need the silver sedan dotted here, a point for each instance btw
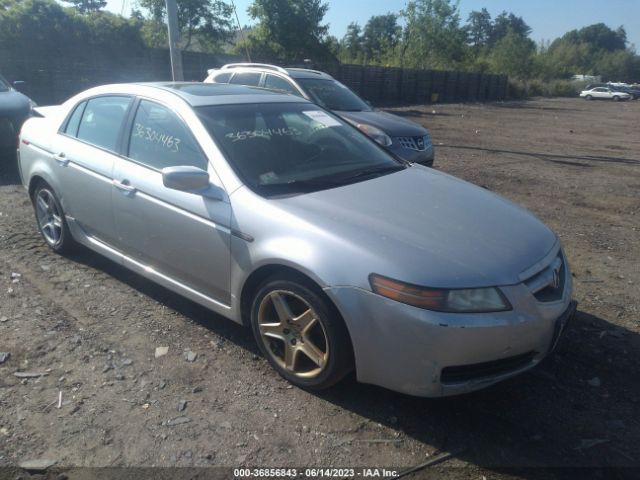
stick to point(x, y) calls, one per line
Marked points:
point(281, 216)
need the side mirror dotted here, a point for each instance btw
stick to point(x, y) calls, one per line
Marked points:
point(185, 179)
point(191, 180)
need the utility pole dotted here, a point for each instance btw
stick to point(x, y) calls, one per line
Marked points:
point(174, 51)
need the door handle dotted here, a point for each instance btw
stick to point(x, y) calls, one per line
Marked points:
point(124, 186)
point(61, 159)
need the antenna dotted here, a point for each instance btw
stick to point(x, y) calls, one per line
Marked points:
point(246, 47)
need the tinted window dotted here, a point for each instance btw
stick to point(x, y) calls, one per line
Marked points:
point(74, 120)
point(276, 83)
point(102, 119)
point(222, 77)
point(160, 139)
point(290, 148)
point(332, 95)
point(250, 79)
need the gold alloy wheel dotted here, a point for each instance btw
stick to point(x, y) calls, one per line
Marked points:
point(293, 334)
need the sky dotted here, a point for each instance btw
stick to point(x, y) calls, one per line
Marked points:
point(548, 19)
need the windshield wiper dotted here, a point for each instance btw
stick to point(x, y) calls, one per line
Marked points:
point(372, 171)
point(332, 181)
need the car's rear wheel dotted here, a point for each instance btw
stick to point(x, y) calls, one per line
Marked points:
point(50, 219)
point(302, 336)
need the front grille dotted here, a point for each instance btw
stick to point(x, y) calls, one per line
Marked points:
point(465, 373)
point(548, 284)
point(418, 144)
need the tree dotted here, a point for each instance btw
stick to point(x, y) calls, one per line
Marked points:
point(479, 28)
point(381, 34)
point(208, 21)
point(86, 6)
point(351, 44)
point(513, 55)
point(598, 37)
point(433, 37)
point(506, 23)
point(289, 30)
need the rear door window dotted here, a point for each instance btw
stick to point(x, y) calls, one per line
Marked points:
point(74, 121)
point(250, 79)
point(102, 119)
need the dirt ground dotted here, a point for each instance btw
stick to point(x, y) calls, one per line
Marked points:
point(93, 328)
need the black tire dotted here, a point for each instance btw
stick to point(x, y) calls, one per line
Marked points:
point(63, 242)
point(616, 98)
point(339, 356)
point(589, 97)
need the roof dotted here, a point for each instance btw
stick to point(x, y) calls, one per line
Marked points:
point(265, 67)
point(199, 94)
point(307, 73)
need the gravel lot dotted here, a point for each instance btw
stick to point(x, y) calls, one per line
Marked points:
point(92, 328)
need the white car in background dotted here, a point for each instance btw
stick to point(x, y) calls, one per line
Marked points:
point(606, 93)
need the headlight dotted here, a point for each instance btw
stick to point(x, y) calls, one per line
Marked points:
point(463, 300)
point(375, 133)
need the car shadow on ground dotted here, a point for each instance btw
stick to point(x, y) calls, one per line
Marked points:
point(575, 409)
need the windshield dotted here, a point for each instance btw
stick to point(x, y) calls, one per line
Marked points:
point(4, 85)
point(281, 149)
point(332, 95)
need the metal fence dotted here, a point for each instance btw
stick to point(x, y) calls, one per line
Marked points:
point(53, 80)
point(388, 85)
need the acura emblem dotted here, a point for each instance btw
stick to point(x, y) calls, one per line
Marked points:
point(420, 142)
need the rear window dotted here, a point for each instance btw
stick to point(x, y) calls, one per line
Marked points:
point(222, 77)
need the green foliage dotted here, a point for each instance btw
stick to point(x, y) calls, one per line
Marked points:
point(351, 49)
point(433, 37)
point(86, 6)
point(513, 54)
point(479, 28)
point(520, 89)
point(33, 27)
point(205, 22)
point(505, 24)
point(592, 50)
point(288, 31)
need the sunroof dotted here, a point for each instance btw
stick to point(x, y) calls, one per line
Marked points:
point(209, 89)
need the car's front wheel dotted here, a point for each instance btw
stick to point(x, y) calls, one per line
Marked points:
point(616, 98)
point(50, 218)
point(300, 333)
point(589, 97)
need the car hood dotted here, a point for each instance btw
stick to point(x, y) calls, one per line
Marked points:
point(427, 228)
point(392, 125)
point(13, 104)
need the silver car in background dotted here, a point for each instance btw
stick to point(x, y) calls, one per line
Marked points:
point(281, 216)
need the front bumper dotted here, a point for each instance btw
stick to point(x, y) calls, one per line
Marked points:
point(432, 354)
